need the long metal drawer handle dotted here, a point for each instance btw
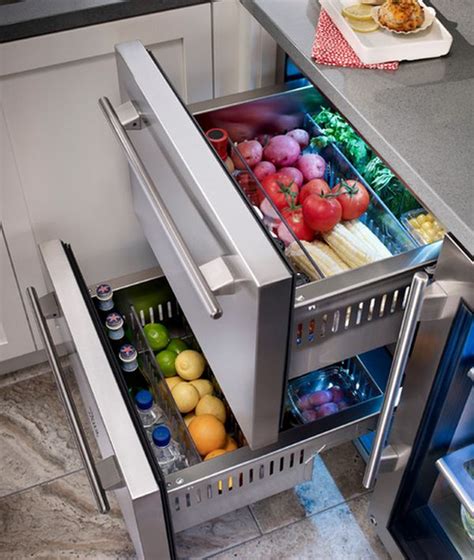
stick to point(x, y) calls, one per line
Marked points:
point(195, 275)
point(69, 406)
point(400, 359)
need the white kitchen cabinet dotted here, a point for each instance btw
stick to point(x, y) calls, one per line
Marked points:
point(15, 334)
point(73, 177)
point(245, 55)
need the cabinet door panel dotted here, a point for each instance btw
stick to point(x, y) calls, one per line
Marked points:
point(15, 334)
point(74, 178)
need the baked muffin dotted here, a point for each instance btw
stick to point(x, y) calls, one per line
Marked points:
point(401, 15)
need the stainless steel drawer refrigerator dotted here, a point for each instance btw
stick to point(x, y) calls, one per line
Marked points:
point(223, 277)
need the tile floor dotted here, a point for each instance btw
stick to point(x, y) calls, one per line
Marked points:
point(47, 511)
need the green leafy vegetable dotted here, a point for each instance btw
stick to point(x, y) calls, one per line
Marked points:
point(336, 130)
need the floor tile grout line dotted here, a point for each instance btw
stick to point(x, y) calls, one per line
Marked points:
point(289, 524)
point(43, 483)
point(255, 519)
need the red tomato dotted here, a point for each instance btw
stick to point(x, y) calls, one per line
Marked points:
point(315, 186)
point(354, 199)
point(281, 189)
point(321, 214)
point(294, 218)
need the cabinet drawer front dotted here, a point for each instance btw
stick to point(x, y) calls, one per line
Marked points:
point(138, 493)
point(205, 238)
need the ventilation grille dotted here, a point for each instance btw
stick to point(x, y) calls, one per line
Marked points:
point(249, 478)
point(337, 321)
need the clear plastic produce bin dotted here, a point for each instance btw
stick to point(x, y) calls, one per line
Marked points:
point(329, 391)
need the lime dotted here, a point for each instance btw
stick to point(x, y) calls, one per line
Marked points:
point(363, 26)
point(166, 359)
point(157, 336)
point(360, 12)
point(177, 345)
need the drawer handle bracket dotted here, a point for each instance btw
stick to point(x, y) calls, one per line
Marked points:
point(129, 117)
point(110, 474)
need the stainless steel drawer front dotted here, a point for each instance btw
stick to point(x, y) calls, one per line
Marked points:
point(352, 313)
point(139, 498)
point(244, 476)
point(247, 346)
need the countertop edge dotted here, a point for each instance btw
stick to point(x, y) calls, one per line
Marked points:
point(84, 17)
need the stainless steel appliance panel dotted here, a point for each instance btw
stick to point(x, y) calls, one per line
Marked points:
point(135, 486)
point(453, 284)
point(247, 345)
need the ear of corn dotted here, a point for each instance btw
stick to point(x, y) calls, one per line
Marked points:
point(326, 259)
point(349, 247)
point(363, 232)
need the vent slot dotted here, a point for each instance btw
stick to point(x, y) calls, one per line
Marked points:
point(271, 468)
point(347, 320)
point(301, 456)
point(292, 460)
point(394, 301)
point(405, 297)
point(299, 333)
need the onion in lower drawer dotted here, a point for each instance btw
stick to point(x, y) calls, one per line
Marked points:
point(329, 391)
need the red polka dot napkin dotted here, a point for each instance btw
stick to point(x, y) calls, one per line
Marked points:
point(331, 48)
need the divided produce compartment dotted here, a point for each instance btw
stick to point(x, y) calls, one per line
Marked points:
point(377, 218)
point(154, 302)
point(348, 313)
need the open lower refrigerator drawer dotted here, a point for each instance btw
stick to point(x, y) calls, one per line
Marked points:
point(156, 503)
point(225, 261)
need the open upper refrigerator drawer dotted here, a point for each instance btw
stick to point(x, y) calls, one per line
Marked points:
point(156, 505)
point(257, 324)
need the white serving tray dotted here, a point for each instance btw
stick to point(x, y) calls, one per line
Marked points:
point(384, 46)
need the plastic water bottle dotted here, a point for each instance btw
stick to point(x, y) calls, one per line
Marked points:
point(166, 450)
point(150, 414)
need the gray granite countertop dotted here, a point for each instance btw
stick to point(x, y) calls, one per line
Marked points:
point(420, 119)
point(20, 19)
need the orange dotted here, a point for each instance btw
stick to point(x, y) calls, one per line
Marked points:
point(231, 444)
point(215, 453)
point(208, 433)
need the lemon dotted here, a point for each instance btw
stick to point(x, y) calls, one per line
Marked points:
point(190, 365)
point(172, 381)
point(204, 387)
point(363, 26)
point(186, 397)
point(359, 12)
point(189, 418)
point(211, 405)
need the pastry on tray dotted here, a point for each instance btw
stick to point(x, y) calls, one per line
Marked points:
point(401, 15)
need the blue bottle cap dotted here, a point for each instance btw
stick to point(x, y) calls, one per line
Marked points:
point(128, 353)
point(144, 399)
point(104, 292)
point(114, 321)
point(161, 435)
